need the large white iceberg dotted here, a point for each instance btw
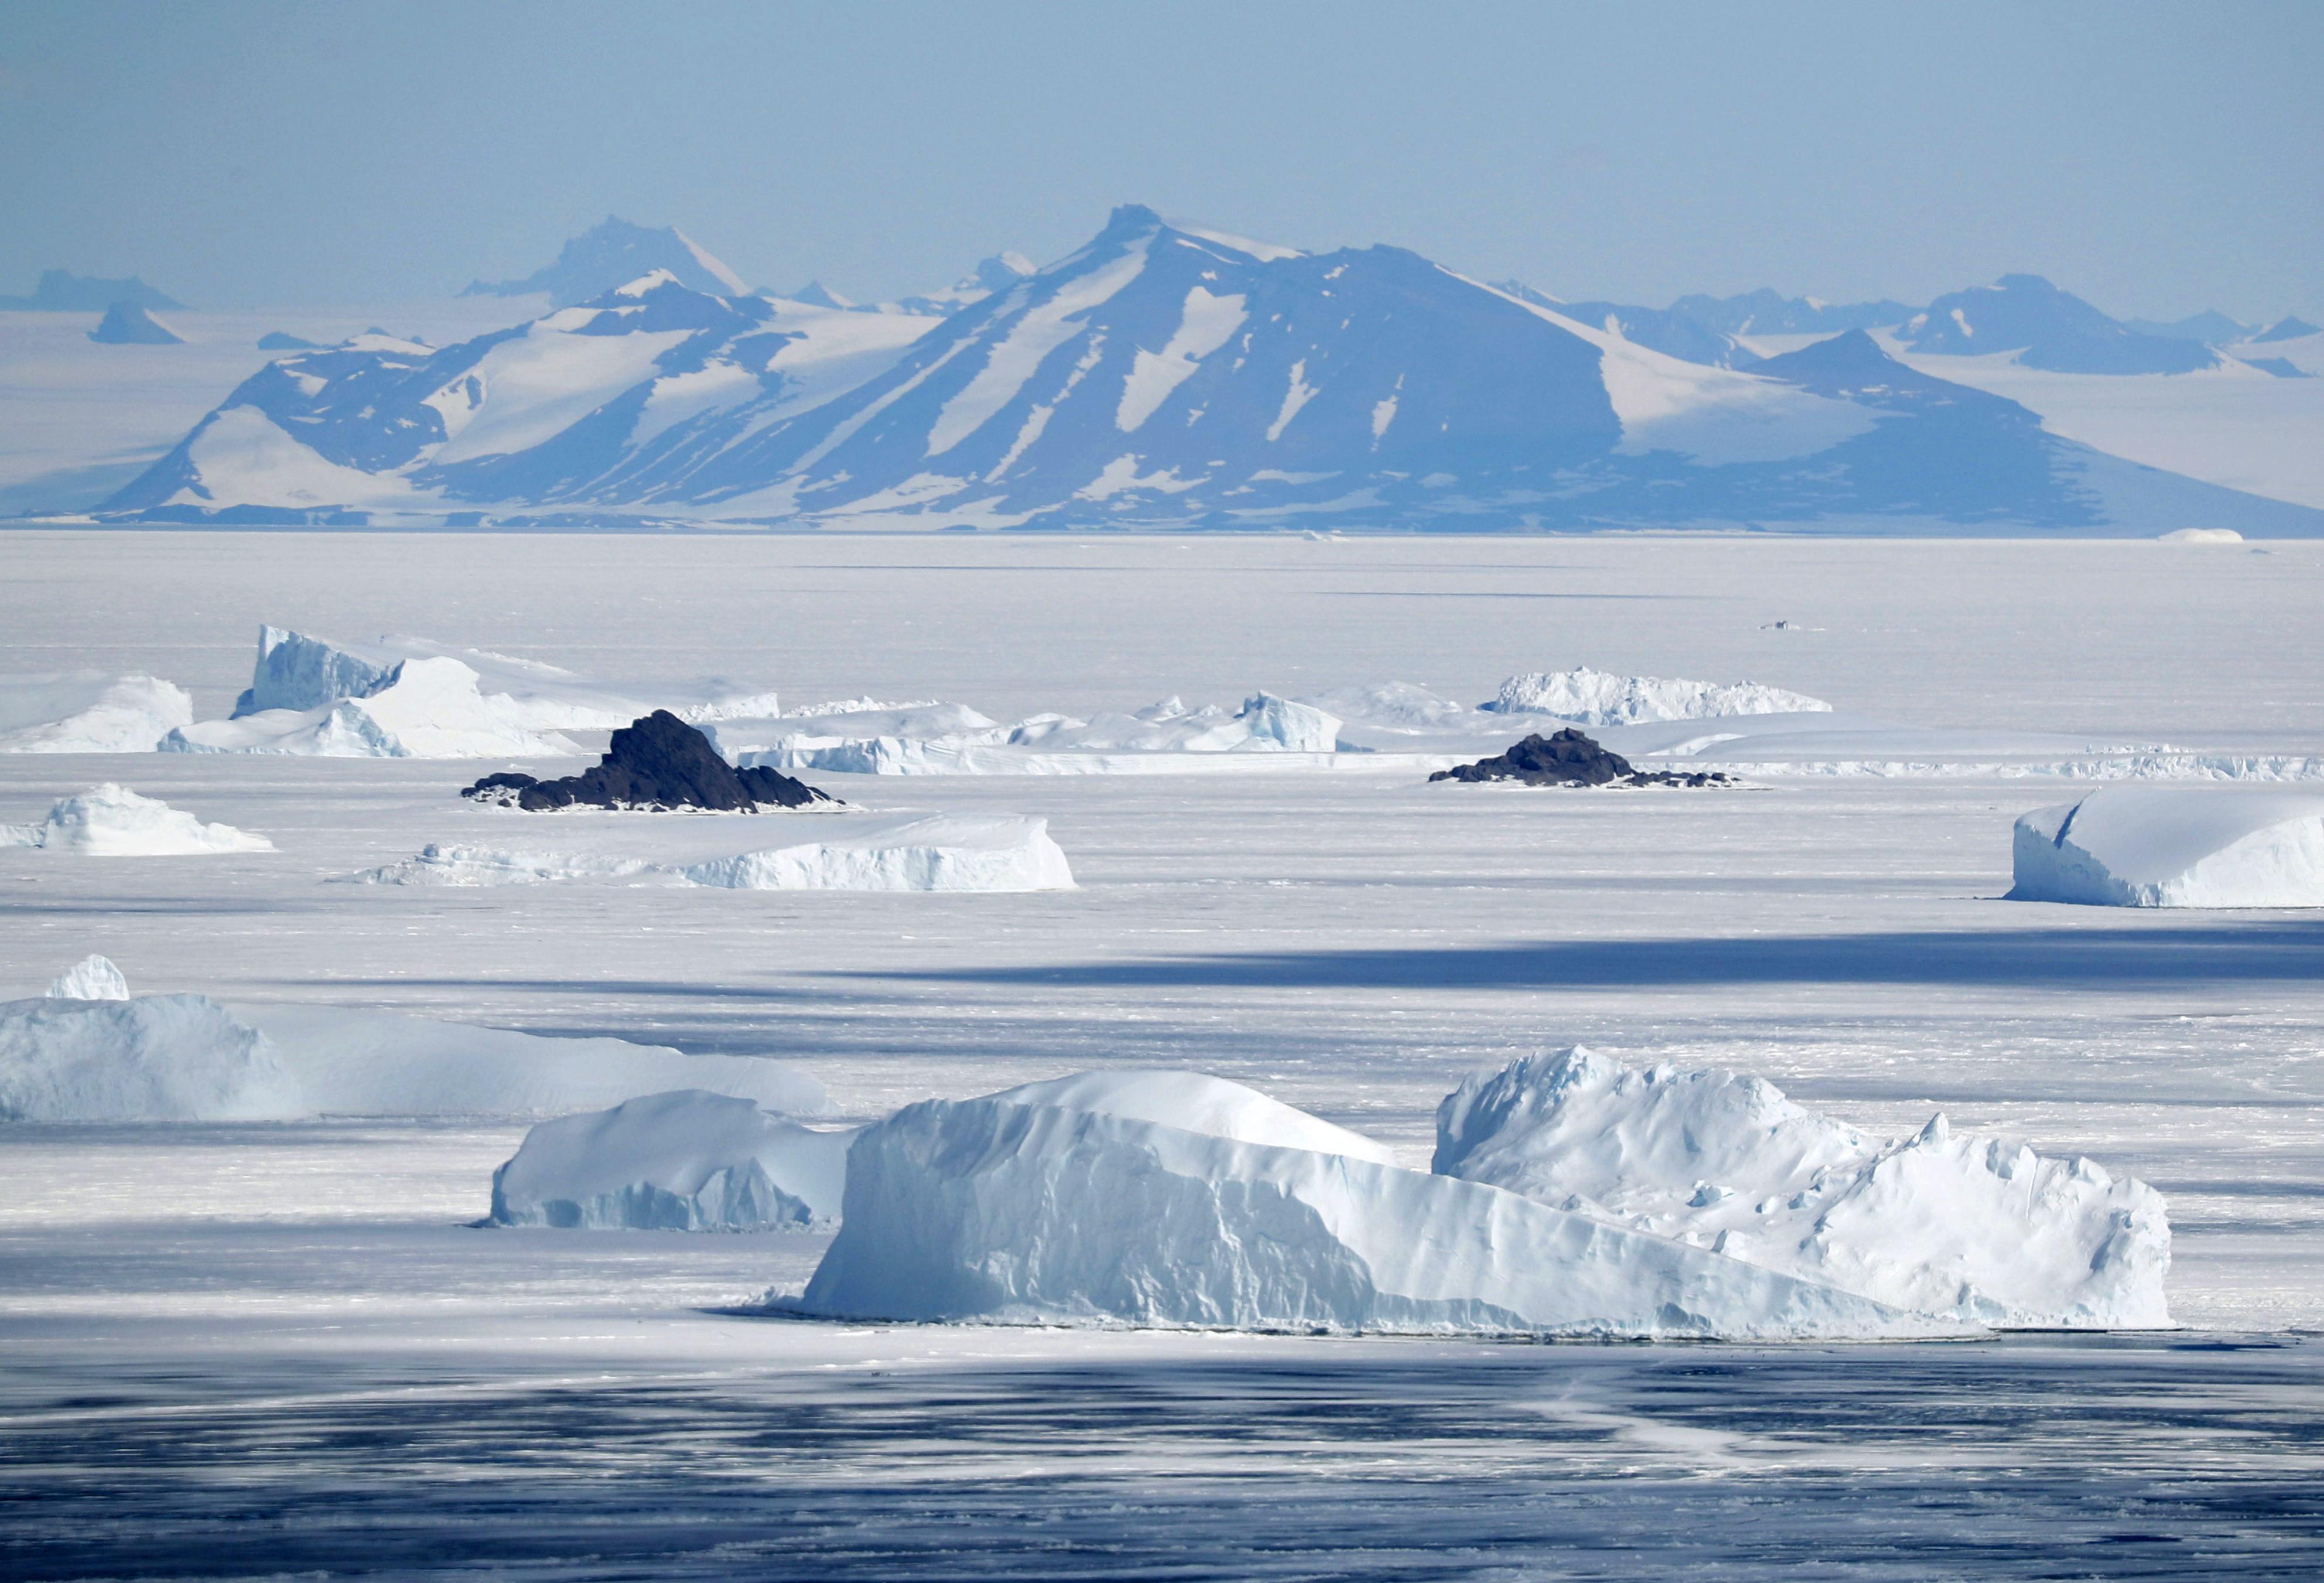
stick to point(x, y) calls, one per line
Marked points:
point(157, 1058)
point(300, 674)
point(682, 1162)
point(89, 711)
point(113, 821)
point(74, 1057)
point(1596, 698)
point(948, 852)
point(424, 709)
point(2143, 845)
point(951, 852)
point(1966, 1228)
point(1196, 1102)
point(1002, 1212)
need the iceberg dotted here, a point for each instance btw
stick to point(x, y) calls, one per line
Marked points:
point(682, 1162)
point(113, 821)
point(157, 1058)
point(93, 978)
point(89, 711)
point(953, 852)
point(424, 709)
point(2143, 845)
point(89, 1051)
point(1196, 1102)
point(1002, 1212)
point(1596, 698)
point(1963, 1228)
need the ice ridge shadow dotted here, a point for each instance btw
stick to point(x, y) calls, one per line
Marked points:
point(2101, 959)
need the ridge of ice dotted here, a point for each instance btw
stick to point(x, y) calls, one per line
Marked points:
point(88, 712)
point(1962, 1228)
point(425, 708)
point(1196, 1102)
point(93, 978)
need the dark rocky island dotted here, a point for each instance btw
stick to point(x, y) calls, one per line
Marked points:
point(1572, 759)
point(657, 762)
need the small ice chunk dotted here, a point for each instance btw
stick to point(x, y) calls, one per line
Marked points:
point(92, 977)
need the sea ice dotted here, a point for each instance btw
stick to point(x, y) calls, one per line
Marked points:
point(93, 978)
point(1002, 1212)
point(1596, 698)
point(2145, 846)
point(1963, 1228)
point(687, 1161)
point(88, 712)
point(113, 821)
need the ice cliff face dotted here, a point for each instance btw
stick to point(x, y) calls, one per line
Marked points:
point(1162, 374)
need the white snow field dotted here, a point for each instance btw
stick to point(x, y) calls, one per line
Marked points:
point(1973, 1229)
point(680, 1161)
point(347, 1375)
point(2143, 845)
point(113, 821)
point(88, 712)
point(752, 852)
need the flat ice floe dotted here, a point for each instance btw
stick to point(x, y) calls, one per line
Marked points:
point(113, 821)
point(187, 1058)
point(680, 1161)
point(89, 711)
point(1959, 1227)
point(949, 852)
point(2127, 846)
point(1005, 1212)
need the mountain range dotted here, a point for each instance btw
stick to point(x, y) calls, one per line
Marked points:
point(1162, 375)
point(62, 292)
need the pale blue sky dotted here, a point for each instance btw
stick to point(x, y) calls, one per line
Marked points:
point(2157, 158)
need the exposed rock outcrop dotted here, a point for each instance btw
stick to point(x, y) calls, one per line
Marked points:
point(658, 762)
point(1571, 759)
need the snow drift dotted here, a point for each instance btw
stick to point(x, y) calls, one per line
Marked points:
point(2128, 845)
point(1196, 1102)
point(73, 1057)
point(113, 821)
point(89, 711)
point(1964, 1228)
point(1002, 1212)
point(1595, 698)
point(683, 1161)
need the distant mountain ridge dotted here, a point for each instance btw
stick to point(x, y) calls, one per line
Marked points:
point(62, 292)
point(614, 252)
point(1162, 375)
point(2048, 329)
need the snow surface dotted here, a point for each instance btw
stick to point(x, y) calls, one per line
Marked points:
point(113, 821)
point(1196, 1102)
point(88, 712)
point(1962, 1228)
point(1032, 1214)
point(687, 1161)
point(93, 978)
point(1595, 698)
point(2143, 845)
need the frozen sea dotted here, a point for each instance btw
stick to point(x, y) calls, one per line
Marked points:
point(242, 1351)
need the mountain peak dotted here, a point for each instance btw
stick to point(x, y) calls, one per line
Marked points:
point(611, 254)
point(62, 292)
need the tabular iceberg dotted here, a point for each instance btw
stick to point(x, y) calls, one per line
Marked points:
point(1002, 1212)
point(424, 709)
point(687, 1161)
point(113, 821)
point(88, 712)
point(1596, 698)
point(2130, 845)
point(1965, 1229)
point(157, 1058)
point(953, 852)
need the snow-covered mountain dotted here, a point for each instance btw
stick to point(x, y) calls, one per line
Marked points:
point(2210, 327)
point(126, 324)
point(2048, 329)
point(2287, 329)
point(614, 254)
point(62, 292)
point(1162, 375)
point(1662, 330)
point(1767, 312)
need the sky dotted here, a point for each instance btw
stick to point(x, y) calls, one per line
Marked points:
point(2158, 158)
